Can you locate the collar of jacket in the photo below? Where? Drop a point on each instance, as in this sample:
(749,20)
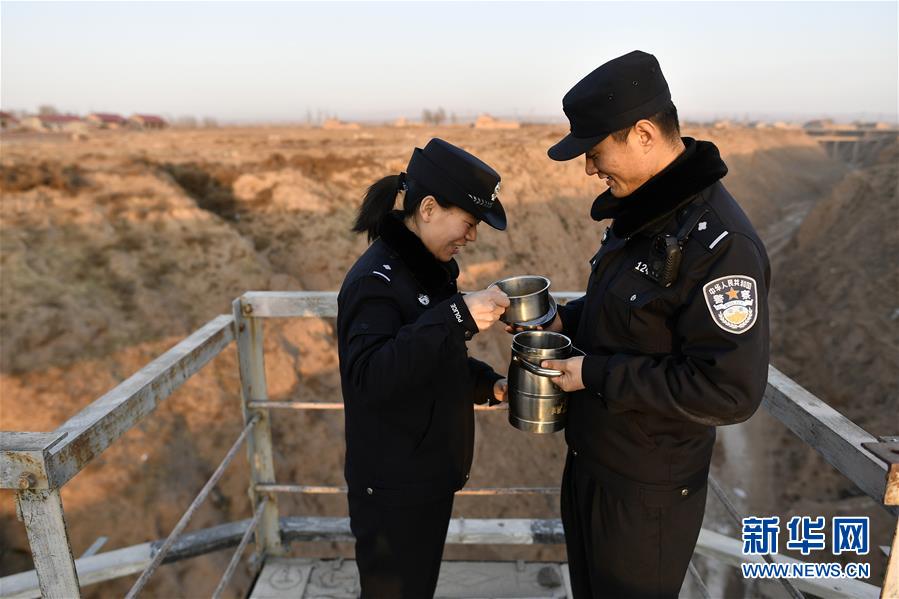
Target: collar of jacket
(427,270)
(652,203)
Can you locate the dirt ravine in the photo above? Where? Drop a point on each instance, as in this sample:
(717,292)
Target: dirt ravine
(114,248)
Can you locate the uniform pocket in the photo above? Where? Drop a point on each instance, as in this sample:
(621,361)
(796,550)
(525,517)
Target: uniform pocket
(635,314)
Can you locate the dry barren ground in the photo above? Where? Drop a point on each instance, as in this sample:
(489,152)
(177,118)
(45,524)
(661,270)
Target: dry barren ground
(114,248)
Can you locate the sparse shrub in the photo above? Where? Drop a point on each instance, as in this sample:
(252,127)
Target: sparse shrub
(24,177)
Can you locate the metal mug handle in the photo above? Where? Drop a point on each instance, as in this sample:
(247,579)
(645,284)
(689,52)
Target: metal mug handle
(536,369)
(540,371)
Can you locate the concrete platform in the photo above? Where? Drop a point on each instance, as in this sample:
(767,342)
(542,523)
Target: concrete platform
(339,579)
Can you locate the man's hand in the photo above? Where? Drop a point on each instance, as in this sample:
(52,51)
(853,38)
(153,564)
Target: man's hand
(486,306)
(500,388)
(555,326)
(571,372)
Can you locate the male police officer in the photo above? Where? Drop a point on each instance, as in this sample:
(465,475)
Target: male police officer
(675,327)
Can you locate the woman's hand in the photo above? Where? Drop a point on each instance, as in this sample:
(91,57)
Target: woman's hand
(486,306)
(500,388)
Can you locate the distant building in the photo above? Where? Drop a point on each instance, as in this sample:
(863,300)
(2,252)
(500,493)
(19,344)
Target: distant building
(7,120)
(106,120)
(338,124)
(485,121)
(147,121)
(819,124)
(58,122)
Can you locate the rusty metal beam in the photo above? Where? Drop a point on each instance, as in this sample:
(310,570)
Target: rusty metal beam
(41,511)
(97,426)
(253,387)
(838,439)
(316,304)
(23,459)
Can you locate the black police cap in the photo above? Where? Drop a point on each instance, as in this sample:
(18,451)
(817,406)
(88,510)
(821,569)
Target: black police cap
(457,177)
(613,97)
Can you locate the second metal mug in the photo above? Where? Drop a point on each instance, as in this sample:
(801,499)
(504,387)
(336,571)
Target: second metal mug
(536,404)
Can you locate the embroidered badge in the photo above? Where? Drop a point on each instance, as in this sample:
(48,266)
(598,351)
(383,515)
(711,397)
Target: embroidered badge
(733,302)
(423,299)
(386,266)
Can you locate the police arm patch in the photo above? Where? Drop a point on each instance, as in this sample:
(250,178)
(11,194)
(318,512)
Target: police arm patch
(732,302)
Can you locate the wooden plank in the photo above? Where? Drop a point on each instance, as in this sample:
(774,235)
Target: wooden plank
(317,304)
(830,433)
(23,459)
(891,495)
(730,551)
(98,425)
(466,492)
(518,531)
(253,387)
(41,511)
(891,578)
(499,531)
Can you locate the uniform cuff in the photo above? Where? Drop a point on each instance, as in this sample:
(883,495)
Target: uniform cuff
(485,388)
(457,313)
(593,373)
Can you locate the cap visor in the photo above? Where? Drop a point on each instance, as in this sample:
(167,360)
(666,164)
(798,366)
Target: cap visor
(496,219)
(571,147)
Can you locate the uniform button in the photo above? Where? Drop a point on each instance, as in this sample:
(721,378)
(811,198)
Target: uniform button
(466,476)
(370,491)
(633,297)
(684,492)
(574,453)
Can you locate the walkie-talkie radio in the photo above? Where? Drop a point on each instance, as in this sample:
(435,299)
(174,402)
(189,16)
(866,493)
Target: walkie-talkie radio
(667,250)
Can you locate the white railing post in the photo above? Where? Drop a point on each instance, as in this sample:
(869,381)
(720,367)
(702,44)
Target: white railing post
(249,334)
(41,511)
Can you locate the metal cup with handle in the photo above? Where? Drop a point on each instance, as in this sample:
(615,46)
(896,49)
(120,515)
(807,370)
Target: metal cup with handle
(536,404)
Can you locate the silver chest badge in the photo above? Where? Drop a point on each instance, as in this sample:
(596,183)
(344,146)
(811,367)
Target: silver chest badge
(423,299)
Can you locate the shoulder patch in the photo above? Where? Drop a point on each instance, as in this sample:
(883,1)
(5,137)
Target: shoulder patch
(709,231)
(732,302)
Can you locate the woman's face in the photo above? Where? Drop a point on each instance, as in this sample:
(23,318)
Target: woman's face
(445,231)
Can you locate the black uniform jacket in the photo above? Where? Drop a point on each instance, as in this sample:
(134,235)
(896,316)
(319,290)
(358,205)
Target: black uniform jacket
(408,383)
(664,366)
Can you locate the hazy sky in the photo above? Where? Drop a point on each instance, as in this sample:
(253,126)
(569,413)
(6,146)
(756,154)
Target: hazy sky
(280,61)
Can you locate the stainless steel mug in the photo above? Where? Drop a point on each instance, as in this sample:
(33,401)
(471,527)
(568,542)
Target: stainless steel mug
(528,298)
(536,404)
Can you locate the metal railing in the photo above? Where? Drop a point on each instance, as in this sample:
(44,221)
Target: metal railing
(36,465)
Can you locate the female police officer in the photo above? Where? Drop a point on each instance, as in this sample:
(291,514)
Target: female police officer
(408,383)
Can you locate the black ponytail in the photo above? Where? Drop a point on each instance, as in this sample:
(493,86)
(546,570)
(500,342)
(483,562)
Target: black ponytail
(378,201)
(380,198)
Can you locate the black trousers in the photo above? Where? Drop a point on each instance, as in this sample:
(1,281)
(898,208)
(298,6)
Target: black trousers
(625,542)
(398,548)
